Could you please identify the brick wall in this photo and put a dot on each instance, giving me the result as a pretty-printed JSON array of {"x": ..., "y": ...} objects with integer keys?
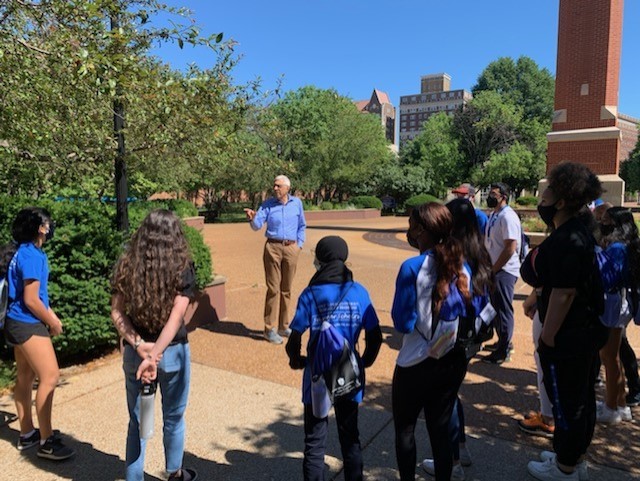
[
  {"x": 588, "y": 65},
  {"x": 601, "y": 156}
]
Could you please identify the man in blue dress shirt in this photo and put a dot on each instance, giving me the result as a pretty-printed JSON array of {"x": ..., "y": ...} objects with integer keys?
[
  {"x": 467, "y": 191},
  {"x": 284, "y": 216}
]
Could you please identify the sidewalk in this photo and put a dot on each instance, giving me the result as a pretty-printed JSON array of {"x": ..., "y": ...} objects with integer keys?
[
  {"x": 245, "y": 416},
  {"x": 239, "y": 428}
]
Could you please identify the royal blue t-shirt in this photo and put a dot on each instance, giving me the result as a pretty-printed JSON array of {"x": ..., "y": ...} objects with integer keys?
[
  {"x": 29, "y": 263},
  {"x": 353, "y": 313}
]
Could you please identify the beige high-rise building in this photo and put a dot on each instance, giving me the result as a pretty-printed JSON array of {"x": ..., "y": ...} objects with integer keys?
[{"x": 435, "y": 96}]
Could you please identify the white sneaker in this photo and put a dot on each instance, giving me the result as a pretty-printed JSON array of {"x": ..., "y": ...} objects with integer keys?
[
  {"x": 457, "y": 473},
  {"x": 608, "y": 416},
  {"x": 465, "y": 456},
  {"x": 582, "y": 468},
  {"x": 548, "y": 471},
  {"x": 625, "y": 413}
]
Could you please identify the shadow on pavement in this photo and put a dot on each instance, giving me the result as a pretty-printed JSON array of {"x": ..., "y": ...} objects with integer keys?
[
  {"x": 87, "y": 464},
  {"x": 233, "y": 328}
]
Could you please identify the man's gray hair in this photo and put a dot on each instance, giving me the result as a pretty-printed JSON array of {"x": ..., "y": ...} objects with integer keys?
[{"x": 285, "y": 180}]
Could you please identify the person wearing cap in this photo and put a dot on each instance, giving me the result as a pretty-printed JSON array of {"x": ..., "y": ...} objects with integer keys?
[
  {"x": 333, "y": 296},
  {"x": 284, "y": 216},
  {"x": 467, "y": 191}
]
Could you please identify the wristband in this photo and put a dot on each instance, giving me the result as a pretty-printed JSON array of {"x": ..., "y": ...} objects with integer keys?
[{"x": 136, "y": 345}]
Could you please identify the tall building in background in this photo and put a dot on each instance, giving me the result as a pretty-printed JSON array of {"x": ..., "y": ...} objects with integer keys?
[
  {"x": 435, "y": 96},
  {"x": 380, "y": 105},
  {"x": 629, "y": 135}
]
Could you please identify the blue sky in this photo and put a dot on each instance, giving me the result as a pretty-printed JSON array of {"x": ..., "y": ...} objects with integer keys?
[{"x": 357, "y": 45}]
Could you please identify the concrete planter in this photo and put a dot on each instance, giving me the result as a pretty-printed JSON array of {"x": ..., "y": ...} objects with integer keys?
[
  {"x": 209, "y": 305},
  {"x": 196, "y": 222},
  {"x": 341, "y": 214}
]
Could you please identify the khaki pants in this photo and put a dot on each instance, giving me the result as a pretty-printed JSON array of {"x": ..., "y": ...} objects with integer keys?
[{"x": 280, "y": 263}]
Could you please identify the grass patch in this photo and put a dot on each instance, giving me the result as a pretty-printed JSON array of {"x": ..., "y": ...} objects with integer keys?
[{"x": 7, "y": 374}]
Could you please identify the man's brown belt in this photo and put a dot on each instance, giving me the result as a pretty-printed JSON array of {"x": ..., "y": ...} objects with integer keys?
[{"x": 280, "y": 241}]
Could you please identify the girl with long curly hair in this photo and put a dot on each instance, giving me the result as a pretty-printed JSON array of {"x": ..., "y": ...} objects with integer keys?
[
  {"x": 29, "y": 325},
  {"x": 427, "y": 376},
  {"x": 152, "y": 286}
]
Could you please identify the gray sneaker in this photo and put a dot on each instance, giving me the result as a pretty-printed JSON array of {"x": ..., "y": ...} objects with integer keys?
[
  {"x": 272, "y": 336},
  {"x": 284, "y": 332}
]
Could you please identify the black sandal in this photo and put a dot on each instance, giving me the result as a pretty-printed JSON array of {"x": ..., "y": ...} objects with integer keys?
[{"x": 187, "y": 475}]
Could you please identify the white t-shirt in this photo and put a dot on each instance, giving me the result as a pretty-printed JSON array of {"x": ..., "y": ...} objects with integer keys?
[{"x": 504, "y": 225}]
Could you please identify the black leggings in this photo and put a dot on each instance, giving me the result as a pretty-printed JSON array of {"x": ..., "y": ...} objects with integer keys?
[{"x": 430, "y": 386}]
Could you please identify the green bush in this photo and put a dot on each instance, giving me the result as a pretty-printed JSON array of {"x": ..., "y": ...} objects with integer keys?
[
  {"x": 327, "y": 206},
  {"x": 183, "y": 208},
  {"x": 527, "y": 200},
  {"x": 366, "y": 202},
  {"x": 419, "y": 199},
  {"x": 533, "y": 224},
  {"x": 236, "y": 207},
  {"x": 81, "y": 259},
  {"x": 201, "y": 256}
]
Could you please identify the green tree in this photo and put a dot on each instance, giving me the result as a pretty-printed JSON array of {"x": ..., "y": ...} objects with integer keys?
[
  {"x": 62, "y": 67},
  {"x": 488, "y": 124},
  {"x": 518, "y": 166},
  {"x": 436, "y": 151},
  {"x": 521, "y": 82},
  {"x": 630, "y": 170},
  {"x": 327, "y": 145}
]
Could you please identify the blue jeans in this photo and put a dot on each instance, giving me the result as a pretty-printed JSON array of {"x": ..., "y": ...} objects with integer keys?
[{"x": 174, "y": 373}]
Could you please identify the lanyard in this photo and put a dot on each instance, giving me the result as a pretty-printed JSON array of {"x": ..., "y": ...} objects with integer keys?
[{"x": 493, "y": 219}]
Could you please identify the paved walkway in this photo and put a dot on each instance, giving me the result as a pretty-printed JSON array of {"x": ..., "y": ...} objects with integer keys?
[{"x": 245, "y": 416}]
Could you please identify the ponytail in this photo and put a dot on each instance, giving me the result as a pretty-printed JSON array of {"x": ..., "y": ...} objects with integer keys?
[
  {"x": 449, "y": 266},
  {"x": 6, "y": 254}
]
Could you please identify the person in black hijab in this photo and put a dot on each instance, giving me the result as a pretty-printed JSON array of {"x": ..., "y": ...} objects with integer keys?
[{"x": 333, "y": 296}]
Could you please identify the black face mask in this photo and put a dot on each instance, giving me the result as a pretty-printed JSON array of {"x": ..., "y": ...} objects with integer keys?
[
  {"x": 49, "y": 234},
  {"x": 492, "y": 202},
  {"x": 413, "y": 242},
  {"x": 547, "y": 213},
  {"x": 606, "y": 229}
]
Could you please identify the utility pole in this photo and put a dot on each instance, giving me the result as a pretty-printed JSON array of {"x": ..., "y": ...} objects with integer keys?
[{"x": 122, "y": 212}]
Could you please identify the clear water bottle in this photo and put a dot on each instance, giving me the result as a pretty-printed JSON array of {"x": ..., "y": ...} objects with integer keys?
[{"x": 147, "y": 407}]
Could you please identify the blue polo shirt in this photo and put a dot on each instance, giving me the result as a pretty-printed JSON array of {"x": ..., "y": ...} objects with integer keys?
[
  {"x": 353, "y": 313},
  {"x": 284, "y": 221},
  {"x": 29, "y": 263}
]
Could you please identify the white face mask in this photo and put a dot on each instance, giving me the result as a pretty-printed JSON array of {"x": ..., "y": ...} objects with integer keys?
[{"x": 316, "y": 264}]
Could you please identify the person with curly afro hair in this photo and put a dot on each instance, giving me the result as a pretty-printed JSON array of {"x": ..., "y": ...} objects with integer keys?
[{"x": 570, "y": 299}]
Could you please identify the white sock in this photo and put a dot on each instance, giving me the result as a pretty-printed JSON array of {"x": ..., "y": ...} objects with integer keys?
[{"x": 30, "y": 433}]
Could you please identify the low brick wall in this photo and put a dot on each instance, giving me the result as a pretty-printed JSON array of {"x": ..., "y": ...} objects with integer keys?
[
  {"x": 341, "y": 214},
  {"x": 209, "y": 305},
  {"x": 196, "y": 222}
]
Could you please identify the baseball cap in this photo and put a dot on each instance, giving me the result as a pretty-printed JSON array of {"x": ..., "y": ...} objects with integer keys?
[{"x": 464, "y": 189}]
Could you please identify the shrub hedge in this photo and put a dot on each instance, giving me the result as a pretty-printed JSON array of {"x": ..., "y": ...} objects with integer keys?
[
  {"x": 81, "y": 258},
  {"x": 366, "y": 202},
  {"x": 527, "y": 200},
  {"x": 419, "y": 199}
]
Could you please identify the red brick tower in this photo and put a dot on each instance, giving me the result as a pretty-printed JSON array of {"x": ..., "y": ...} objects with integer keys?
[{"x": 585, "y": 126}]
